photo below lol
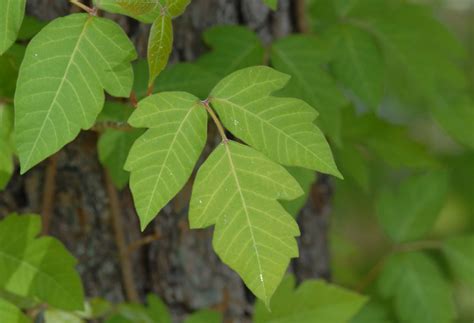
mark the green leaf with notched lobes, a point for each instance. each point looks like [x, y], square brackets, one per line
[304, 58]
[162, 160]
[160, 45]
[177, 7]
[11, 17]
[282, 128]
[12, 314]
[37, 268]
[237, 190]
[62, 79]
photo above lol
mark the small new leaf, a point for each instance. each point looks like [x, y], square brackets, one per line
[271, 3]
[313, 301]
[237, 190]
[40, 269]
[160, 45]
[281, 128]
[139, 7]
[177, 7]
[62, 79]
[162, 160]
[11, 17]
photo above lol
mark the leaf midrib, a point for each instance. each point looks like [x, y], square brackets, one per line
[53, 102]
[242, 198]
[280, 131]
[178, 132]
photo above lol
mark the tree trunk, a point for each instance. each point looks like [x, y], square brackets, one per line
[180, 266]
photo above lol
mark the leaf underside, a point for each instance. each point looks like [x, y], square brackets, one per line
[237, 190]
[59, 94]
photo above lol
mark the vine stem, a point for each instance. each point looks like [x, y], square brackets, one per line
[48, 193]
[125, 262]
[89, 10]
[216, 120]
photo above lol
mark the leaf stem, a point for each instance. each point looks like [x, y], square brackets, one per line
[216, 120]
[89, 10]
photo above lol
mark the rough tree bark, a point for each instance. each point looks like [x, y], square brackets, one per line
[181, 266]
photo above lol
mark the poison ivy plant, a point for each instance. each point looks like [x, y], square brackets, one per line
[312, 302]
[50, 114]
[156, 311]
[11, 17]
[37, 269]
[162, 160]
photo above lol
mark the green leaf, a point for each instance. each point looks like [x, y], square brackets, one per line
[460, 254]
[11, 314]
[312, 302]
[358, 63]
[418, 289]
[57, 316]
[306, 179]
[282, 128]
[205, 316]
[303, 57]
[41, 268]
[114, 147]
[113, 6]
[6, 145]
[177, 7]
[66, 68]
[162, 160]
[234, 48]
[271, 3]
[410, 211]
[30, 27]
[236, 190]
[10, 65]
[160, 45]
[11, 17]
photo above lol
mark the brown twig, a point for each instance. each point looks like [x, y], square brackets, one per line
[142, 242]
[89, 10]
[302, 24]
[125, 263]
[47, 204]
